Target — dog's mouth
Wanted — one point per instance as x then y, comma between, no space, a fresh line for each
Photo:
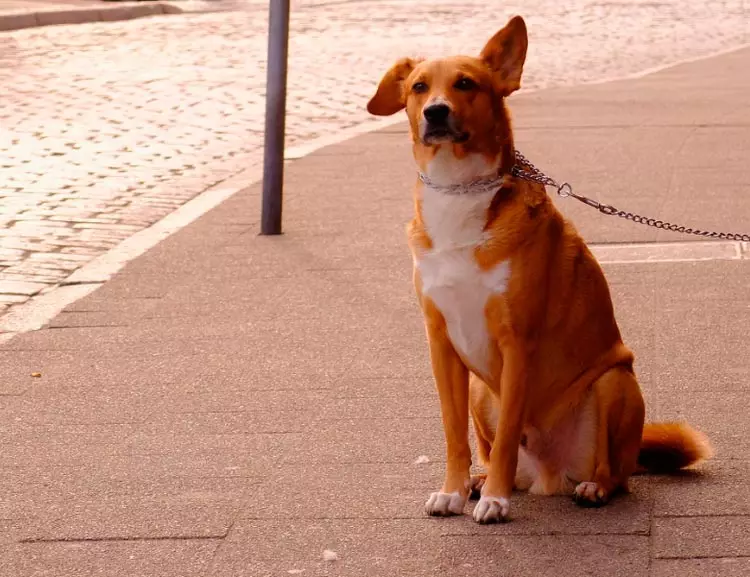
440,134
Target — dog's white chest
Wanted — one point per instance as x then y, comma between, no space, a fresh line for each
460,290
450,275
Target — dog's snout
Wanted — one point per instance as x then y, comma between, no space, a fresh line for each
437,113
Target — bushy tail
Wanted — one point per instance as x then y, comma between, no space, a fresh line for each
669,447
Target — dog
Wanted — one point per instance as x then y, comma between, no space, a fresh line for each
518,314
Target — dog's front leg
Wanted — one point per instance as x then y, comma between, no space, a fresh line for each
494,504
452,380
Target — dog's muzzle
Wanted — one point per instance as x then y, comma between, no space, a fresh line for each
439,125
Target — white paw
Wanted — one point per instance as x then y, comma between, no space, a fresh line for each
445,504
589,494
492,510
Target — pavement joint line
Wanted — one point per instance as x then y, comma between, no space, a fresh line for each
79,282
34,313
30,540
698,516
686,557
635,533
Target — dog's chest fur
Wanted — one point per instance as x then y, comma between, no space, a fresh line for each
450,275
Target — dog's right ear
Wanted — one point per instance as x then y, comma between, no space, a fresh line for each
390,96
505,54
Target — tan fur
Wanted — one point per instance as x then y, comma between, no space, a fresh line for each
559,408
668,447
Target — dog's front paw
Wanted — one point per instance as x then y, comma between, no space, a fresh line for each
445,504
589,494
492,510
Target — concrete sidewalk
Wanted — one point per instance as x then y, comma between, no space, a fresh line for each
233,405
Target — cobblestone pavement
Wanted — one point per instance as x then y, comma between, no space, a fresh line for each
107,127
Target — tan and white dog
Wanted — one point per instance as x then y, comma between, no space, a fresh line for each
521,329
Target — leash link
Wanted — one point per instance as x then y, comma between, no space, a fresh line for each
525,170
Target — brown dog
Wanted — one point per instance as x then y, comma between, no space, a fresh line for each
518,313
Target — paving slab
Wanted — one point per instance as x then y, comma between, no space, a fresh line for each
420,547
363,546
565,555
166,558
686,537
89,510
718,487
260,400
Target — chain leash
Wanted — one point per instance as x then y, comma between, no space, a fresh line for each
527,171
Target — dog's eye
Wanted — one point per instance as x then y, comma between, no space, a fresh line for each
465,84
419,87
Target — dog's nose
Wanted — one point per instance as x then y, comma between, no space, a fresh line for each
436,113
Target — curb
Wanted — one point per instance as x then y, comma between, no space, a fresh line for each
21,20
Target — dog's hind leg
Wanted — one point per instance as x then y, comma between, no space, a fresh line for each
620,417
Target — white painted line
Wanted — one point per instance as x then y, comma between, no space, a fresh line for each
34,313
666,252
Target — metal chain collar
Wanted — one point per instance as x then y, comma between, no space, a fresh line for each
527,171
481,185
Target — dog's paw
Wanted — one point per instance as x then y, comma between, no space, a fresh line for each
475,486
492,510
589,494
445,504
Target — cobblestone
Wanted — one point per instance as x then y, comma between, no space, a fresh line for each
11,287
108,127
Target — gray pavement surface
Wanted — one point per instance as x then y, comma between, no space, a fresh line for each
234,405
105,128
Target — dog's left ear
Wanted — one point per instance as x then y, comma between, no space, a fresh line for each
505,55
390,97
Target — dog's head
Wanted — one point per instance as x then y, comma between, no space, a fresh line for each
456,104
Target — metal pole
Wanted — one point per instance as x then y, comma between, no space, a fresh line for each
273,154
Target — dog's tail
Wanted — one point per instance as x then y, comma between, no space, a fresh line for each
669,447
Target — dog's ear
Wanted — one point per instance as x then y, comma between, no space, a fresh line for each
505,54
390,96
